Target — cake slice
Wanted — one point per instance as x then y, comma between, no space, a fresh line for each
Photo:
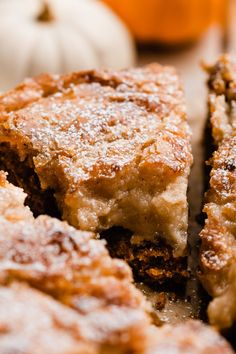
106,149
73,268
61,293
218,248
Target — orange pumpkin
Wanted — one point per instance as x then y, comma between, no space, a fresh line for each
167,21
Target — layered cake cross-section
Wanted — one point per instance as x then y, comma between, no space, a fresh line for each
106,149
218,249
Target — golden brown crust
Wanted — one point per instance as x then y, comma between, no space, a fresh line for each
114,146
218,237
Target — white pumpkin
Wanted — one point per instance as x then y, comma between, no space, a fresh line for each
72,35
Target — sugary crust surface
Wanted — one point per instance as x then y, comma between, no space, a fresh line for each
114,146
191,337
218,250
32,323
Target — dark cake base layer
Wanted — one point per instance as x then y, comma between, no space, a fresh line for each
151,262
22,174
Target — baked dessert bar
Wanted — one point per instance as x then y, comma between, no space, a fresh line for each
105,149
73,268
61,293
218,249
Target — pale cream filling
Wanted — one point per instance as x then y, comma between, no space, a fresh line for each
149,215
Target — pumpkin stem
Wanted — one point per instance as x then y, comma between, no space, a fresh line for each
46,13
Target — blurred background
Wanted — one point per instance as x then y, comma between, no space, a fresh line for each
63,35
